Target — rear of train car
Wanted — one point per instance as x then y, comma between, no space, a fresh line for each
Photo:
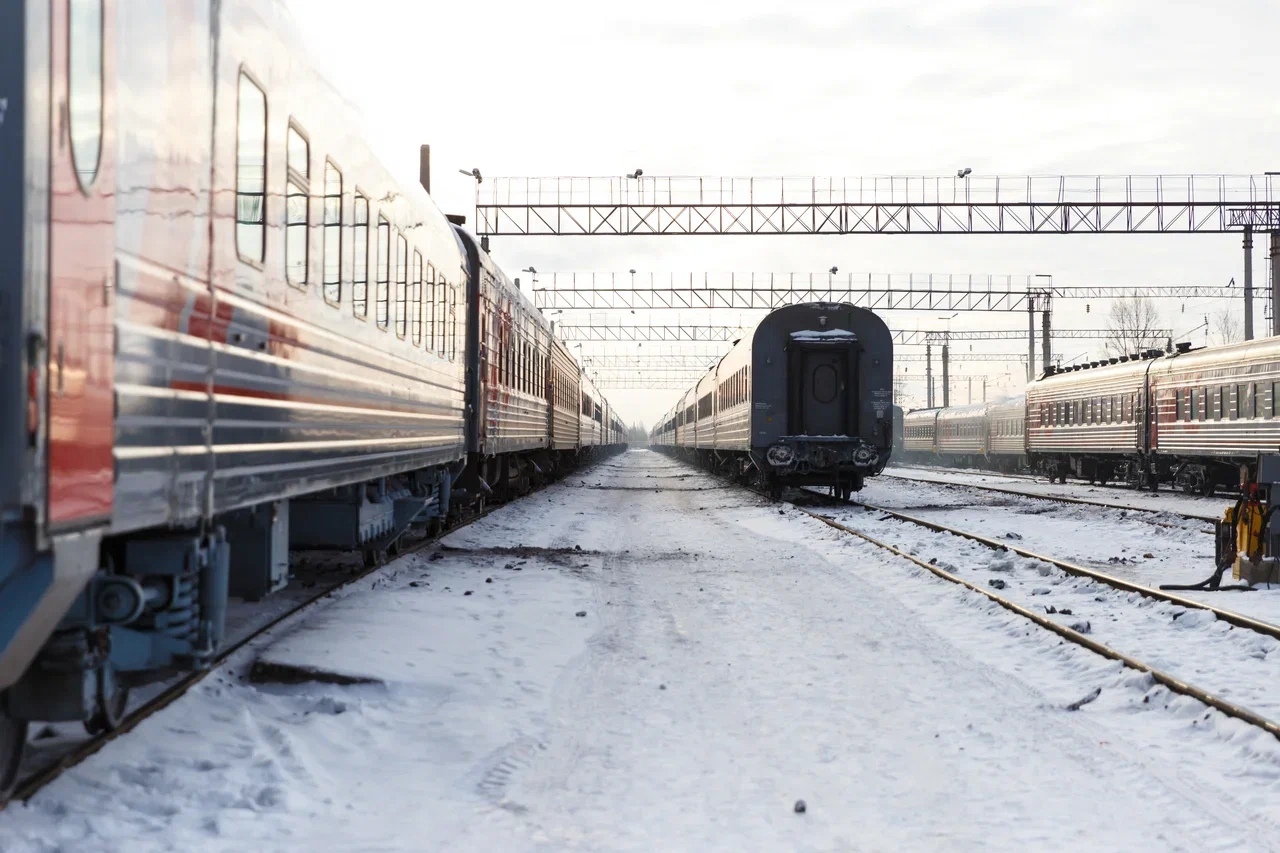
804,398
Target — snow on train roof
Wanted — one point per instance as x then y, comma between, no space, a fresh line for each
829,335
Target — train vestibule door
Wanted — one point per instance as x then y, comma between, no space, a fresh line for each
822,382
80,410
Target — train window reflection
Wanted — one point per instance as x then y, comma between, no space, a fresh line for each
296,204
251,171
84,74
332,234
402,281
360,263
382,281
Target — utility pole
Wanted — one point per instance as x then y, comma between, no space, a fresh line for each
1031,336
1275,283
928,375
970,390
1248,282
1046,336
946,376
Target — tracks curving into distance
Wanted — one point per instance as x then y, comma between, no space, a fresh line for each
32,783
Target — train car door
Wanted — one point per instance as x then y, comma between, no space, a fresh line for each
81,265
821,386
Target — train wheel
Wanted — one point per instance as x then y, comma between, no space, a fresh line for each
13,740
112,702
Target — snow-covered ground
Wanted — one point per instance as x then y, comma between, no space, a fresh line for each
643,658
1143,547
1165,500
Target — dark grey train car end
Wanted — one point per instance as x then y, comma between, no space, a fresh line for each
822,407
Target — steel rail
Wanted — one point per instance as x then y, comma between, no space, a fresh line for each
1239,620
1060,498
1160,676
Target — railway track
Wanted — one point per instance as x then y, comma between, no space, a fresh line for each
1069,629
1038,478
1066,499
33,782
1168,680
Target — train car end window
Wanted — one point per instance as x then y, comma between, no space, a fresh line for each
331,235
251,171
360,255
296,206
84,83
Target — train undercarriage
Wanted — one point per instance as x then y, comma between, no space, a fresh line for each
841,466
157,606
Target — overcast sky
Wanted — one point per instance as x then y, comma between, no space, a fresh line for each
853,88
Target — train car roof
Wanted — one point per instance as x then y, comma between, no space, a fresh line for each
471,244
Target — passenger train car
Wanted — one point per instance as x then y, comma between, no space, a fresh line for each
805,398
225,331
982,435
1195,419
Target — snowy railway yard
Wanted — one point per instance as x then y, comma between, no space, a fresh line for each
644,657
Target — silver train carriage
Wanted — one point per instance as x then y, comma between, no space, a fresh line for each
227,332
985,435
804,398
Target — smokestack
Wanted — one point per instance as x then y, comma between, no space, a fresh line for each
424,167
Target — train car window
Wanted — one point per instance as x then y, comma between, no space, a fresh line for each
331,234
441,295
429,307
402,286
251,171
1179,405
382,279
296,206
1272,408
84,82
1248,400
1193,404
453,323
415,298
360,257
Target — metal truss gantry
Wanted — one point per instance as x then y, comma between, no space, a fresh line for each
665,380
665,205
875,291
902,337
700,363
